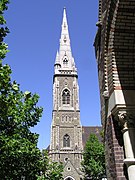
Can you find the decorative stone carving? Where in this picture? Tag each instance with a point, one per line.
(106, 94)
(57, 147)
(126, 119)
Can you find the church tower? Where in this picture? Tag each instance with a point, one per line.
(66, 130)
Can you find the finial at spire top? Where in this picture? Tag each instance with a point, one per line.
(64, 10)
(64, 18)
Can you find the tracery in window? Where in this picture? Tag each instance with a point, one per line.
(66, 96)
(66, 140)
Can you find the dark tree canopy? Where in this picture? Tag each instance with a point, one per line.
(19, 155)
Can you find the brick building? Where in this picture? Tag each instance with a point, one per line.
(115, 53)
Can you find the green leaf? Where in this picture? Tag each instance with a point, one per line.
(15, 87)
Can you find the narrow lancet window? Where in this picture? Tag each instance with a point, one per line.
(65, 60)
(66, 97)
(66, 141)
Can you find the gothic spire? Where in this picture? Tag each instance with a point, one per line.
(64, 56)
(65, 40)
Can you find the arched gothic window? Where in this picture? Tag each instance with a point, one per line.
(66, 97)
(66, 140)
(65, 60)
(69, 178)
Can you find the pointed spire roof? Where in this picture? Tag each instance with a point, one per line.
(64, 56)
(64, 23)
(65, 40)
(57, 58)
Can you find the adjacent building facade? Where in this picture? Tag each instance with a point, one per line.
(66, 130)
(115, 52)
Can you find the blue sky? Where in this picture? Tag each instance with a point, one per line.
(35, 28)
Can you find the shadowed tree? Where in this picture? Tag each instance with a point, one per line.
(19, 155)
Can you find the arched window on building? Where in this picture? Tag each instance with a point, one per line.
(66, 96)
(66, 140)
(65, 62)
(69, 178)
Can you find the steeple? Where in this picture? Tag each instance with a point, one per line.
(65, 40)
(66, 130)
(64, 59)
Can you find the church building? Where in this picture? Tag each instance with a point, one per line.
(66, 130)
(68, 136)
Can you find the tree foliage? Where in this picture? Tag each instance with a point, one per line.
(50, 170)
(93, 164)
(19, 155)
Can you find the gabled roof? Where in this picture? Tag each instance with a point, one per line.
(70, 164)
(87, 130)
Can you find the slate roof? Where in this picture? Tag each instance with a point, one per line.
(87, 130)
